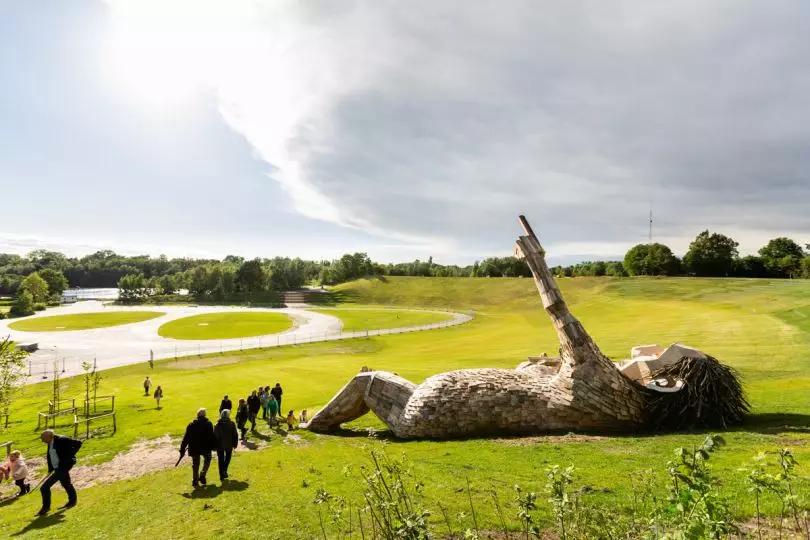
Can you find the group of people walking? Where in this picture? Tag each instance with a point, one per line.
(202, 437)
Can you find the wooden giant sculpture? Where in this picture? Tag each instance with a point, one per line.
(582, 391)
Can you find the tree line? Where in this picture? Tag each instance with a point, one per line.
(716, 255)
(41, 276)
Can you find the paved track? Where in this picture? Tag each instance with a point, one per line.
(131, 343)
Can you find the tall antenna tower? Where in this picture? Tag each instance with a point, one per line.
(650, 223)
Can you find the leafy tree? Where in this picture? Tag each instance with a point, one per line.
(198, 282)
(233, 259)
(749, 266)
(805, 268)
(23, 305)
(167, 285)
(38, 287)
(42, 258)
(132, 288)
(615, 269)
(349, 267)
(56, 280)
(711, 255)
(782, 257)
(651, 260)
(251, 276)
(12, 375)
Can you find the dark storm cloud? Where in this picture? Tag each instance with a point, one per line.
(578, 113)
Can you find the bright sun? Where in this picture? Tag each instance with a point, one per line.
(154, 56)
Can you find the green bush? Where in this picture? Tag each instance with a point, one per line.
(2, 315)
(40, 306)
(23, 305)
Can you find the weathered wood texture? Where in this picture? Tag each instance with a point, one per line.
(584, 392)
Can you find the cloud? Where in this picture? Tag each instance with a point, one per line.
(436, 123)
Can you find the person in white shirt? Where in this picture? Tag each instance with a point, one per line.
(61, 457)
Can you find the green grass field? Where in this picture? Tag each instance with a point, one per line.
(226, 325)
(84, 321)
(758, 326)
(355, 320)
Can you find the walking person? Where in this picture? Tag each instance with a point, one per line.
(19, 472)
(254, 404)
(272, 407)
(277, 391)
(15, 469)
(242, 418)
(200, 441)
(291, 420)
(61, 457)
(158, 395)
(225, 404)
(147, 384)
(227, 441)
(264, 396)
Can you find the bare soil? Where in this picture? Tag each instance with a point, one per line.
(143, 458)
(550, 439)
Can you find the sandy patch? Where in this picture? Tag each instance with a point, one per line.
(551, 439)
(147, 457)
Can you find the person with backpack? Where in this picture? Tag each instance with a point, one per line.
(147, 384)
(242, 418)
(61, 457)
(227, 441)
(200, 441)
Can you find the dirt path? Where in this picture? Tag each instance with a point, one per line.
(145, 457)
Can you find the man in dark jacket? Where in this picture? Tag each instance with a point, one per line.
(242, 417)
(61, 457)
(225, 404)
(277, 391)
(227, 441)
(254, 405)
(200, 441)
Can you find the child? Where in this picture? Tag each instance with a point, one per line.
(5, 470)
(158, 395)
(304, 418)
(19, 471)
(291, 421)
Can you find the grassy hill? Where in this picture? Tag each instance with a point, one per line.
(759, 326)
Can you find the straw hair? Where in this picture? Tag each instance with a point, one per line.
(712, 397)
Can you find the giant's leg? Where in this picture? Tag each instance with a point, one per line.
(379, 391)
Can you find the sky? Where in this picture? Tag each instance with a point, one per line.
(403, 129)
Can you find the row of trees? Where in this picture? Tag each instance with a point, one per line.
(716, 255)
(44, 275)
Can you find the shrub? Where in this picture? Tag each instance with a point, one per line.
(686, 505)
(40, 306)
(23, 305)
(2, 315)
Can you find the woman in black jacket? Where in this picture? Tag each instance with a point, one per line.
(227, 441)
(242, 417)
